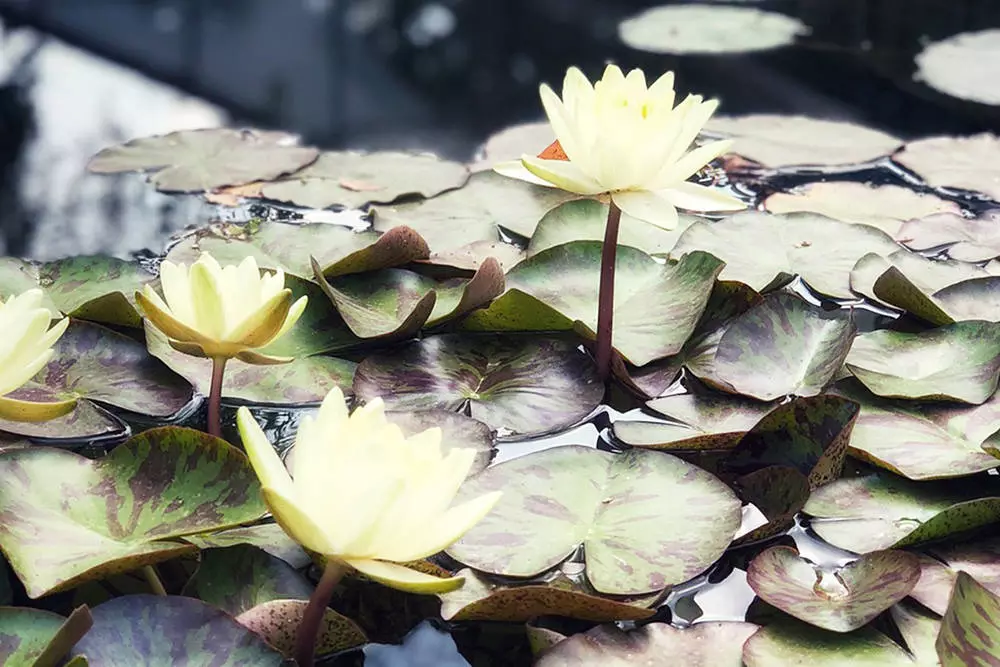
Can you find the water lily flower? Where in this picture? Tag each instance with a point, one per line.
(363, 494)
(25, 348)
(221, 312)
(622, 139)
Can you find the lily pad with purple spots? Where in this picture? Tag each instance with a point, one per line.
(942, 563)
(516, 385)
(268, 537)
(646, 520)
(37, 637)
(843, 600)
(122, 511)
(865, 514)
(970, 629)
(158, 630)
(957, 362)
(87, 423)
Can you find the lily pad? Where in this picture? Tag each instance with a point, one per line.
(37, 637)
(959, 362)
(976, 299)
(883, 206)
(160, 630)
(718, 644)
(87, 422)
(924, 441)
(966, 239)
(302, 381)
(319, 330)
(482, 600)
(558, 498)
(970, 629)
(980, 560)
(783, 347)
(842, 601)
(960, 66)
(202, 160)
(585, 220)
(119, 512)
(962, 163)
(865, 514)
(353, 180)
(687, 29)
(821, 250)
(512, 142)
(269, 537)
(517, 385)
(786, 141)
(926, 275)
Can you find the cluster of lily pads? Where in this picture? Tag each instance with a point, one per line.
(826, 361)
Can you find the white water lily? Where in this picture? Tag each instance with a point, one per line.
(25, 348)
(630, 142)
(221, 312)
(363, 494)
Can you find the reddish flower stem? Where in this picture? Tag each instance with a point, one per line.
(215, 397)
(312, 617)
(606, 296)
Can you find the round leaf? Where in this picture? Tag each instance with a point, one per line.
(512, 142)
(927, 275)
(962, 66)
(981, 560)
(967, 239)
(278, 622)
(268, 537)
(955, 162)
(25, 633)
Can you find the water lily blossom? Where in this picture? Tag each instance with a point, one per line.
(208, 310)
(362, 494)
(24, 350)
(621, 138)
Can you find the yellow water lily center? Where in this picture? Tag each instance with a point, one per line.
(623, 139)
(25, 349)
(362, 493)
(221, 312)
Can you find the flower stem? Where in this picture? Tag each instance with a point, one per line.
(305, 641)
(154, 580)
(215, 397)
(606, 297)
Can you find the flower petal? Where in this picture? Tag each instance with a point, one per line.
(647, 206)
(689, 164)
(265, 461)
(445, 530)
(29, 411)
(207, 299)
(165, 321)
(694, 197)
(516, 169)
(403, 578)
(298, 523)
(262, 325)
(261, 359)
(294, 313)
(563, 174)
(562, 126)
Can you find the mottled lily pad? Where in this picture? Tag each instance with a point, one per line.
(927, 275)
(170, 631)
(954, 162)
(319, 330)
(299, 382)
(119, 512)
(202, 160)
(959, 362)
(843, 600)
(37, 637)
(268, 537)
(482, 600)
(970, 629)
(87, 422)
(821, 250)
(962, 66)
(966, 239)
(864, 514)
(558, 498)
(718, 644)
(940, 569)
(352, 180)
(516, 385)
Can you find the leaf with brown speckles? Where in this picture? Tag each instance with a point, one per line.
(970, 629)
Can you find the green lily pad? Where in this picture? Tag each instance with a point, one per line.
(975, 299)
(319, 330)
(119, 512)
(779, 492)
(352, 180)
(482, 600)
(980, 559)
(95, 288)
(299, 382)
(202, 160)
(37, 637)
(647, 293)
(842, 601)
(289, 247)
(158, 631)
(269, 537)
(821, 250)
(966, 239)
(924, 440)
(865, 514)
(558, 498)
(585, 220)
(926, 275)
(87, 421)
(959, 362)
(718, 644)
(516, 385)
(970, 629)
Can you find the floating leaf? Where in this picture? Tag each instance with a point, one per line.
(202, 160)
(482, 600)
(779, 492)
(87, 422)
(119, 512)
(976, 299)
(268, 537)
(958, 362)
(865, 514)
(27, 634)
(718, 644)
(319, 330)
(954, 162)
(785, 141)
(821, 250)
(512, 142)
(302, 381)
(352, 180)
(960, 66)
(520, 385)
(558, 498)
(783, 347)
(842, 601)
(927, 275)
(970, 629)
(980, 560)
(278, 622)
(883, 206)
(685, 29)
(156, 630)
(966, 239)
